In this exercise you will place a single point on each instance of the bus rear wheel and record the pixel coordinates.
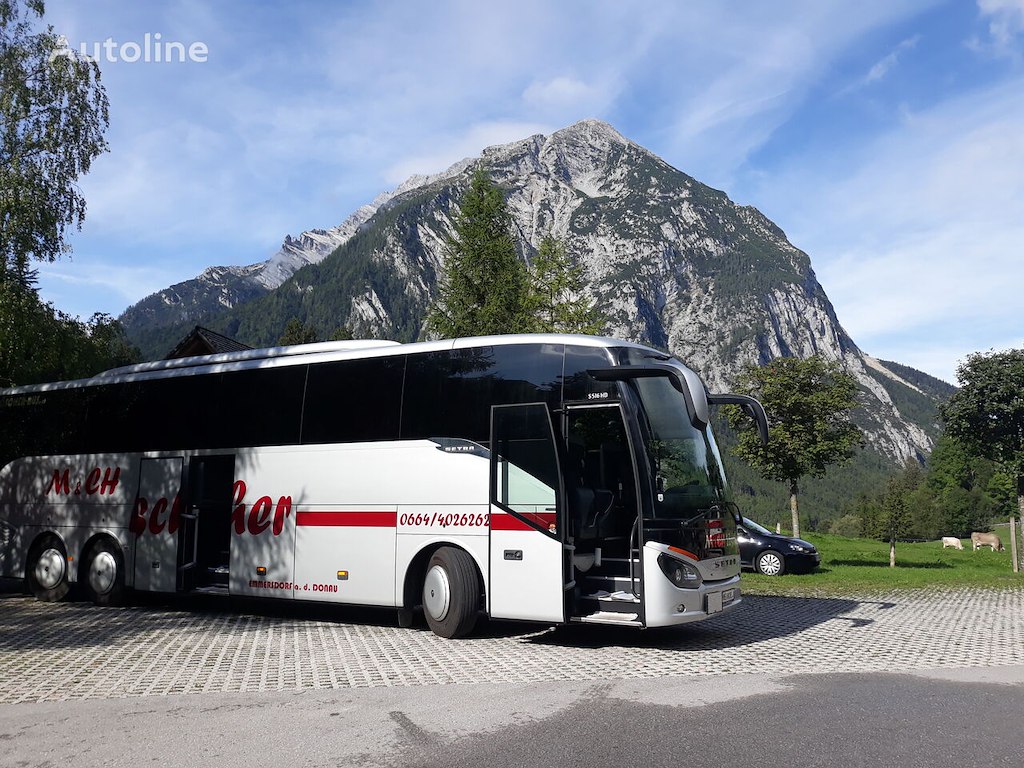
(47, 570)
(104, 573)
(451, 593)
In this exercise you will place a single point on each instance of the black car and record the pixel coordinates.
(773, 554)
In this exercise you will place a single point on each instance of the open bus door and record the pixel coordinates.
(205, 539)
(155, 523)
(603, 514)
(529, 560)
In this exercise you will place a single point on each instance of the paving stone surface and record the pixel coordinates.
(73, 650)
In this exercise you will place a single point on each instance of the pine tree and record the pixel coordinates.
(342, 333)
(297, 332)
(556, 300)
(483, 288)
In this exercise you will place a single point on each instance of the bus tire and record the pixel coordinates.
(103, 577)
(46, 571)
(451, 593)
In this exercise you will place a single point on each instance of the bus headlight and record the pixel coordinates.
(680, 573)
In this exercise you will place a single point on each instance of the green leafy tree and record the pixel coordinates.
(959, 483)
(296, 332)
(483, 287)
(896, 514)
(40, 344)
(847, 525)
(556, 298)
(986, 415)
(808, 403)
(53, 116)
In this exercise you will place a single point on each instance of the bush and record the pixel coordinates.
(847, 525)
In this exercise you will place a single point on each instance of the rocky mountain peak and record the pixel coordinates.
(671, 262)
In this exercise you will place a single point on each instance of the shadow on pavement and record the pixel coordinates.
(758, 618)
(27, 624)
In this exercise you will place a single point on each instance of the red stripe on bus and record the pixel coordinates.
(509, 523)
(387, 519)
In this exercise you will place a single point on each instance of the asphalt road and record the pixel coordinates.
(957, 718)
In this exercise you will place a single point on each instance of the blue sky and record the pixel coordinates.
(886, 138)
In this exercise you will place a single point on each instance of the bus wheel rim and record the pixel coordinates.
(102, 573)
(50, 567)
(437, 593)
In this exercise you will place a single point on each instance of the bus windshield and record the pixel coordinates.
(687, 466)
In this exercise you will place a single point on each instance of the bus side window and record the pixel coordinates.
(353, 400)
(525, 463)
(263, 407)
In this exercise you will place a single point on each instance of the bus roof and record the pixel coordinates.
(299, 354)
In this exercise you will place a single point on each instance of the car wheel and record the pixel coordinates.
(451, 593)
(770, 563)
(47, 570)
(104, 573)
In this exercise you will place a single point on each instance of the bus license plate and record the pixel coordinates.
(714, 602)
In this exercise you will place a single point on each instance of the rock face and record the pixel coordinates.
(671, 262)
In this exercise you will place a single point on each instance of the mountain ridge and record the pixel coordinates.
(671, 262)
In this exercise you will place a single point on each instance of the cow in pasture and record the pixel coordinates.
(951, 541)
(986, 540)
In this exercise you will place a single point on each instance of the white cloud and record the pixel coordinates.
(110, 286)
(746, 80)
(883, 66)
(921, 238)
(1005, 25)
(568, 95)
(456, 148)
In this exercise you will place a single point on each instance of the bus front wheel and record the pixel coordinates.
(104, 573)
(451, 593)
(47, 570)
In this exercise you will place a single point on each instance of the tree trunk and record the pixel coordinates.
(892, 552)
(1020, 514)
(793, 508)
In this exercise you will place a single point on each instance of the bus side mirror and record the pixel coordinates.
(750, 407)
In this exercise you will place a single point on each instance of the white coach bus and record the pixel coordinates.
(549, 478)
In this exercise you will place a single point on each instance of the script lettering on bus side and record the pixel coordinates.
(155, 519)
(263, 514)
(100, 480)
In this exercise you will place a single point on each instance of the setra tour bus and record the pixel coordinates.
(547, 478)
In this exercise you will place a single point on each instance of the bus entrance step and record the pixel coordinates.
(610, 617)
(217, 576)
(613, 601)
(213, 590)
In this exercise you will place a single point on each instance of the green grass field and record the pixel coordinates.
(855, 566)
